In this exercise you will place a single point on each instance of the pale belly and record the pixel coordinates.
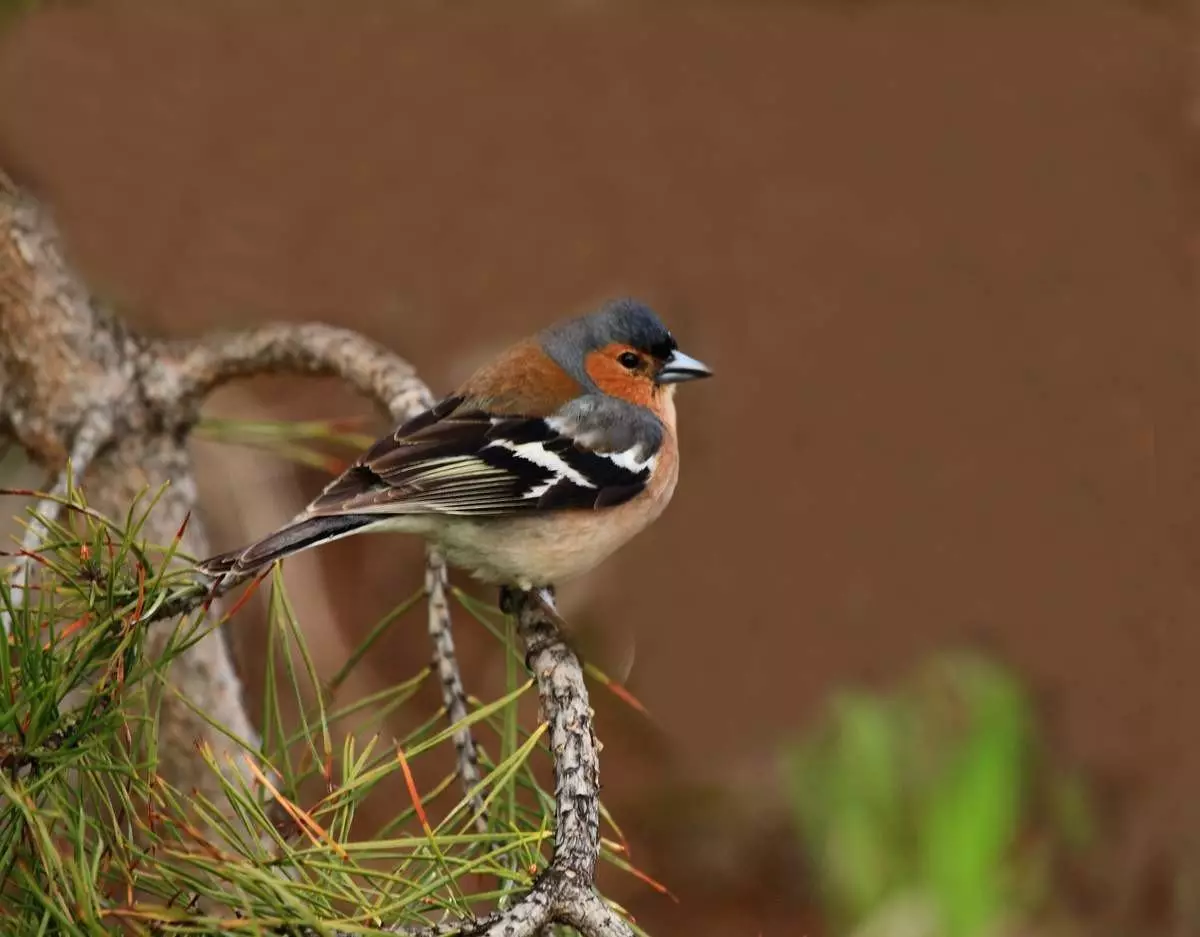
(529, 552)
(547, 549)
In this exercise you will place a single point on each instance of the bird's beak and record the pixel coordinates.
(680, 367)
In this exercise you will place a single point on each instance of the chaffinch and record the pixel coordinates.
(536, 469)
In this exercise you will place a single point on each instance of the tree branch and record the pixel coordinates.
(74, 395)
(200, 366)
(82, 393)
(565, 893)
(565, 706)
(454, 697)
(63, 359)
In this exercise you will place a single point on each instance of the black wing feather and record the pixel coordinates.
(452, 459)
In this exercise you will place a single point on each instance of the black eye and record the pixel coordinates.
(627, 359)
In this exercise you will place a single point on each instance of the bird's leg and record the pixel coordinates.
(545, 600)
(508, 600)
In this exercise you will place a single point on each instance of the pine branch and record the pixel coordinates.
(72, 378)
(81, 393)
(565, 893)
(67, 368)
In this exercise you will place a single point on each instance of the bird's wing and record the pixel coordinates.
(595, 452)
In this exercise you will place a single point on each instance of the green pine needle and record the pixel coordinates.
(92, 839)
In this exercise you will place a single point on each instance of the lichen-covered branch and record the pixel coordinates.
(565, 893)
(86, 397)
(565, 706)
(73, 386)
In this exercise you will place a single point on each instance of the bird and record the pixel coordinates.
(538, 467)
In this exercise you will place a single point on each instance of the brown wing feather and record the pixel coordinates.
(386, 473)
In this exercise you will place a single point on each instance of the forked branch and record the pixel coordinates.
(199, 367)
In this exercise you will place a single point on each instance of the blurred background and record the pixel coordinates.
(917, 636)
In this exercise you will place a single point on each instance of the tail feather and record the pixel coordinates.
(284, 542)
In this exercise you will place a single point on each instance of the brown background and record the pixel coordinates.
(937, 253)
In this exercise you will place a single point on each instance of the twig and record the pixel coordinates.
(454, 697)
(565, 893)
(297, 348)
(565, 706)
(94, 432)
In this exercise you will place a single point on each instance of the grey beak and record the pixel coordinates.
(680, 367)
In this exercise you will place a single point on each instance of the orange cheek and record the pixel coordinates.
(618, 381)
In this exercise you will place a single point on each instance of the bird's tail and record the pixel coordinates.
(293, 538)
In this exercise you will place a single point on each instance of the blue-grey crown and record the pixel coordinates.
(620, 321)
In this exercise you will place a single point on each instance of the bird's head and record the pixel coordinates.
(622, 349)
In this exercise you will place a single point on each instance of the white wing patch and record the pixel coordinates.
(536, 453)
(632, 460)
(538, 490)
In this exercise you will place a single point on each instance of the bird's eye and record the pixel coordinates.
(627, 359)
